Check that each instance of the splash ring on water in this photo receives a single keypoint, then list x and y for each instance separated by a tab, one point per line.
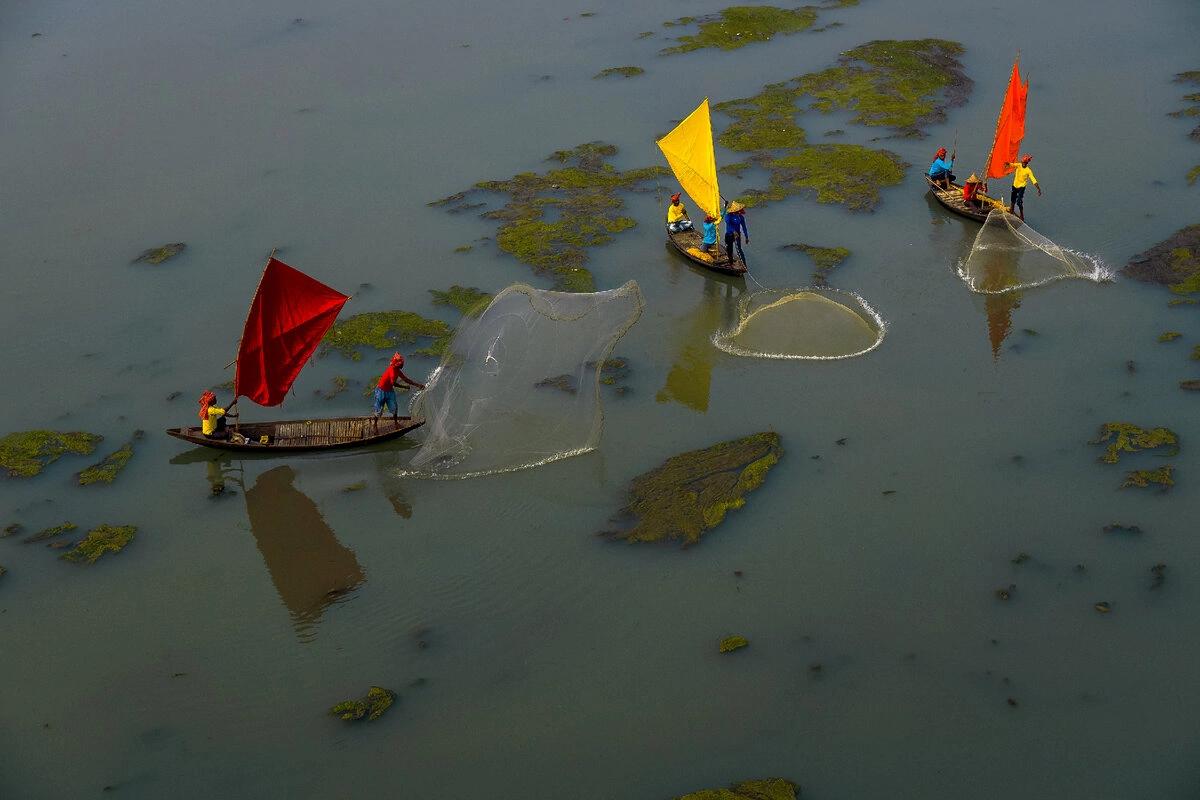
815	323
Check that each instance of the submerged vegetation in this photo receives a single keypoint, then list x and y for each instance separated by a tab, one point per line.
26	453
107	469
551	219
825	259
1173	262
764	789
738	26
619	72
1123	437
373	705
157	255
902	85
50	533
691	493
1169	336
385	330
99	541
1192	109
467	300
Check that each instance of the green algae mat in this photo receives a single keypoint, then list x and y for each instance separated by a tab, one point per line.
692	492
763	789
26	453
737	26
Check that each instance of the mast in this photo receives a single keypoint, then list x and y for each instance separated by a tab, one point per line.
1000	117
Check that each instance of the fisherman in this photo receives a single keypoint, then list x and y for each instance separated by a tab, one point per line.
939	170
212	417
385	391
677	216
735	227
970	191
1021	177
710	233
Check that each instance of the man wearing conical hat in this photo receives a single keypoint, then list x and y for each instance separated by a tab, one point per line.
735	227
971	190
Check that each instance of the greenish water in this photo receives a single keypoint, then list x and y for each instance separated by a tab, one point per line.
201	661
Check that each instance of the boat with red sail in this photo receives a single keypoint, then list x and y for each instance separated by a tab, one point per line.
1006	145
290	314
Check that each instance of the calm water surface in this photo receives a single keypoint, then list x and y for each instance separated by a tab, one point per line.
200	662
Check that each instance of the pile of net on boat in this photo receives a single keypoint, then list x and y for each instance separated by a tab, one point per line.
519	385
816	323
1009	255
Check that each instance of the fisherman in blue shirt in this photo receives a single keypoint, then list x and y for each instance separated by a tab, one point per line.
710	233
735	228
939	170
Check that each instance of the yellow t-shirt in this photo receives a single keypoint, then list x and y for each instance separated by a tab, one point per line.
208	425
1022	175
675	212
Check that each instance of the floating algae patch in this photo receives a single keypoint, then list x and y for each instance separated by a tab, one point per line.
765	789
738	26
691	493
99	541
619	72
1145	478
371	706
826	259
1125	437
467	300
731	643
1192	110
1193	175
157	255
1169	336
844	174
816	324
1008	255
50	533
26	453
1190	386
901	85
386	330
107	469
552	219
1173	262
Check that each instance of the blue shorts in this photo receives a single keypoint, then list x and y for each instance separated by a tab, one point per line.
383	398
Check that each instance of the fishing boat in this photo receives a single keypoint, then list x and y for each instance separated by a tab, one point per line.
689	152
290	314
1006	146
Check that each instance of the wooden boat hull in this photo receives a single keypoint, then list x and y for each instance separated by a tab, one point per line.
688	244
294	436
951	200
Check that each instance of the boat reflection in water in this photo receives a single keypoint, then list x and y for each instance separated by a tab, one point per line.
689	381
310	568
1000	273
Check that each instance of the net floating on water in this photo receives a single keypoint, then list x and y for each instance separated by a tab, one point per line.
1009	255
815	324
491	405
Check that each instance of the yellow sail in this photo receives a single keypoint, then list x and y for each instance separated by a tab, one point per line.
689	151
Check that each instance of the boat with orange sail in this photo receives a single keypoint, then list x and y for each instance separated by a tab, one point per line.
290	314
1006	145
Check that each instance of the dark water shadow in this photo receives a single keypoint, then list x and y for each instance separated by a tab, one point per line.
689	381
310	568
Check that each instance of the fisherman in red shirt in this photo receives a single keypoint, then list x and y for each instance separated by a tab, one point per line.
385	391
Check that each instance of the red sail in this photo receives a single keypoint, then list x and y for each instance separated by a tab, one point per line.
1010	129
289	315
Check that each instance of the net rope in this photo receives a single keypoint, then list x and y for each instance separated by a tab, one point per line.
519	385
1008	255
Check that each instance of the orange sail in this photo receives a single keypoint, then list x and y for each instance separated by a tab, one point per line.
1010	128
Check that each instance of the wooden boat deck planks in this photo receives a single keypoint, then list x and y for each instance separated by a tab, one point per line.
688	244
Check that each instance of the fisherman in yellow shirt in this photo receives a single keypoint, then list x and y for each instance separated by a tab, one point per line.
1021	177
677	216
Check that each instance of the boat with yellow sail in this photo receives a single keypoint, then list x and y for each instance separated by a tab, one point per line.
1006	145
689	151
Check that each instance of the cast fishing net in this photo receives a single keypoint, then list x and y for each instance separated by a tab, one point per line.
519	386
817	323
1009	255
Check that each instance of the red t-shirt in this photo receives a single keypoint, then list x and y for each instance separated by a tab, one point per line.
969	191
389	377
